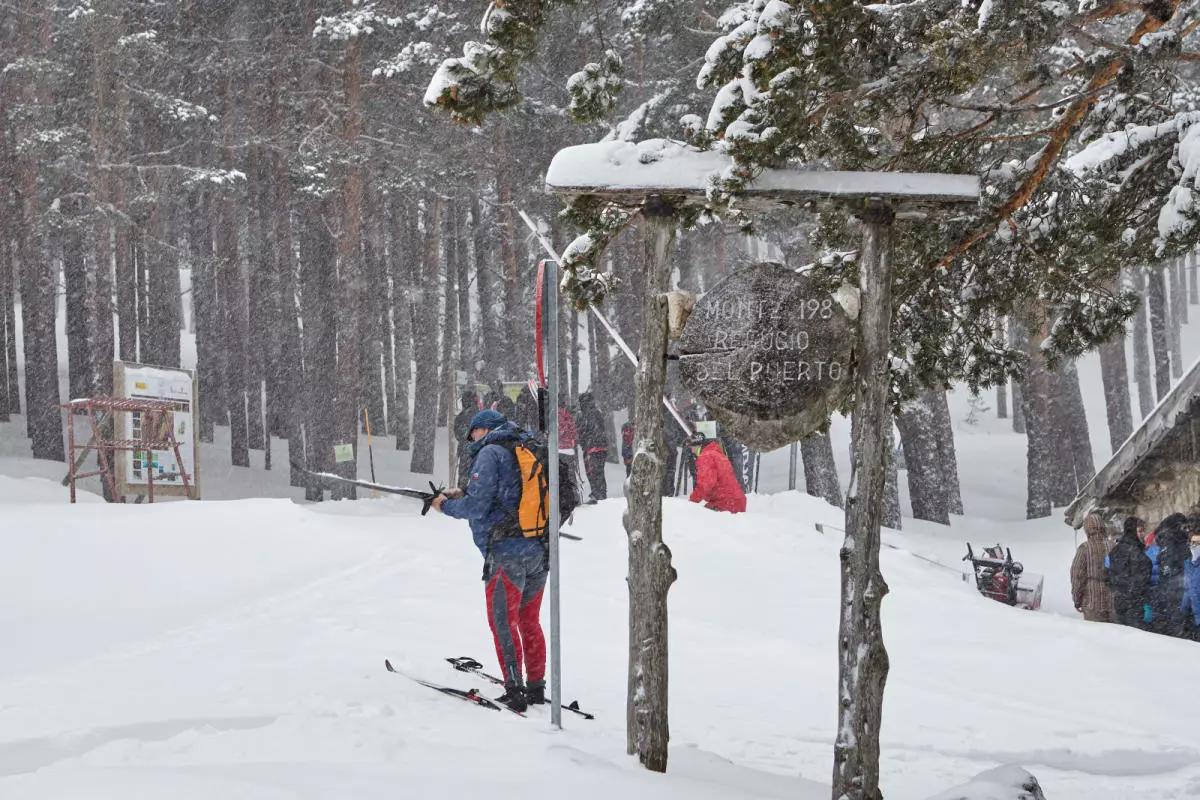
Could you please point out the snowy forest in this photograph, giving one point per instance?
(266, 176)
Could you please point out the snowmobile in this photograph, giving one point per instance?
(999, 577)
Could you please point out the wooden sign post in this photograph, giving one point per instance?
(661, 177)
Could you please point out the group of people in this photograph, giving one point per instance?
(1147, 580)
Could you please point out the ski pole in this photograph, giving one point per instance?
(370, 450)
(549, 248)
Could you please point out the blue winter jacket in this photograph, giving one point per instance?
(1191, 589)
(1152, 554)
(493, 493)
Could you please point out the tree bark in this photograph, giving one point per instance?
(1115, 376)
(650, 570)
(80, 367)
(402, 256)
(206, 309)
(1193, 290)
(466, 342)
(862, 658)
(319, 312)
(489, 336)
(513, 338)
(425, 342)
(1178, 319)
(945, 437)
(1039, 427)
(1074, 451)
(1017, 339)
(820, 470)
(350, 271)
(1002, 388)
(1141, 344)
(374, 382)
(38, 275)
(8, 324)
(892, 517)
(447, 404)
(927, 481)
(1156, 297)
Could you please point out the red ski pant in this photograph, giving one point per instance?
(514, 604)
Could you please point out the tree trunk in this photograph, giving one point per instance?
(206, 310)
(9, 299)
(8, 324)
(1017, 338)
(319, 313)
(374, 383)
(488, 301)
(1193, 290)
(401, 260)
(425, 341)
(820, 470)
(350, 271)
(1178, 315)
(446, 405)
(1156, 297)
(260, 317)
(513, 338)
(650, 570)
(161, 336)
(1040, 434)
(1141, 345)
(79, 356)
(944, 427)
(466, 343)
(862, 658)
(1115, 375)
(1075, 446)
(927, 481)
(1002, 388)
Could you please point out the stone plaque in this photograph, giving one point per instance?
(768, 354)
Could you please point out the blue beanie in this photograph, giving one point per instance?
(488, 418)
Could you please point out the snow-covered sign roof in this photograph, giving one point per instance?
(630, 171)
(1182, 403)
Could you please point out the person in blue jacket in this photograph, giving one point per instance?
(515, 568)
(1191, 590)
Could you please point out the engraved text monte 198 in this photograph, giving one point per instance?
(769, 354)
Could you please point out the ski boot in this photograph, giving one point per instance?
(535, 693)
(514, 697)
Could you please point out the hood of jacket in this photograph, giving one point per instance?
(508, 432)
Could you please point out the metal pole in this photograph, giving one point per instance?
(795, 449)
(549, 248)
(550, 338)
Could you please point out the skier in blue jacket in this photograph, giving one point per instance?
(1191, 588)
(515, 568)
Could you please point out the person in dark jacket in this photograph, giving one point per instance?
(514, 568)
(593, 441)
(716, 485)
(462, 426)
(1129, 575)
(526, 410)
(1191, 589)
(1167, 598)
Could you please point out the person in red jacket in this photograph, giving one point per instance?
(716, 485)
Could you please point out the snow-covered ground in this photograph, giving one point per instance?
(234, 649)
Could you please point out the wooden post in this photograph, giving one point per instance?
(862, 658)
(650, 570)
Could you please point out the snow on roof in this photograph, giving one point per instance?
(661, 166)
(1138, 447)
